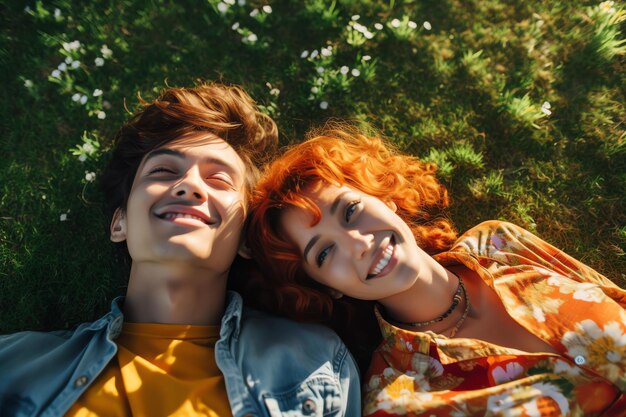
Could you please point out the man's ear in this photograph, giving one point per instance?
(244, 250)
(118, 226)
(391, 205)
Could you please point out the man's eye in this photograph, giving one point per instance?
(322, 256)
(161, 170)
(221, 180)
(351, 208)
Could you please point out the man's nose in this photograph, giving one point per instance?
(191, 186)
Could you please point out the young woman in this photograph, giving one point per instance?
(497, 321)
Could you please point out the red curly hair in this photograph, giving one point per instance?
(339, 155)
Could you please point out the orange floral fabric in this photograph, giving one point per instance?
(569, 305)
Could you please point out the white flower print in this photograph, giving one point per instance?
(603, 349)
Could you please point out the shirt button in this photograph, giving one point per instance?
(80, 381)
(580, 360)
(308, 406)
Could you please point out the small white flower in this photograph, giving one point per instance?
(222, 7)
(320, 70)
(99, 62)
(314, 53)
(57, 14)
(76, 97)
(88, 148)
(252, 38)
(106, 52)
(314, 89)
(378, 26)
(607, 7)
(254, 13)
(82, 158)
(63, 217)
(43, 197)
(359, 27)
(355, 72)
(74, 45)
(56, 73)
(90, 176)
(28, 83)
(395, 23)
(344, 70)
(427, 25)
(274, 92)
(355, 17)
(235, 26)
(545, 108)
(368, 34)
(304, 54)
(83, 99)
(324, 105)
(267, 9)
(102, 115)
(68, 60)
(366, 58)
(412, 24)
(241, 2)
(326, 52)
(230, 2)
(75, 64)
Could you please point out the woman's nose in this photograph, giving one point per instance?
(360, 243)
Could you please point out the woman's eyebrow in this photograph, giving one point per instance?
(313, 241)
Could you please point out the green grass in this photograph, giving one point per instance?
(520, 103)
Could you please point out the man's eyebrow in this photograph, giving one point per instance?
(313, 241)
(163, 151)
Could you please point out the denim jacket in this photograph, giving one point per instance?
(272, 367)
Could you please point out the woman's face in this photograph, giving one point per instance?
(360, 246)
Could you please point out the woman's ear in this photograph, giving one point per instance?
(336, 295)
(391, 205)
(244, 250)
(118, 226)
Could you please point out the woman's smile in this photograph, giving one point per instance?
(385, 261)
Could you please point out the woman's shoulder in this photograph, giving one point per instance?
(492, 235)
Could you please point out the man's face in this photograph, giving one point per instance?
(186, 205)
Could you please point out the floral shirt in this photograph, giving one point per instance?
(577, 311)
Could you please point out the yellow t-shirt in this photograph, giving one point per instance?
(160, 370)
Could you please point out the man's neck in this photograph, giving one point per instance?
(174, 294)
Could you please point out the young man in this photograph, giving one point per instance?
(179, 343)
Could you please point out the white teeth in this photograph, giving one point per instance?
(384, 260)
(170, 216)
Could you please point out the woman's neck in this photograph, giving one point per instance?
(429, 297)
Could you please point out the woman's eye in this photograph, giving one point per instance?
(322, 256)
(351, 208)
